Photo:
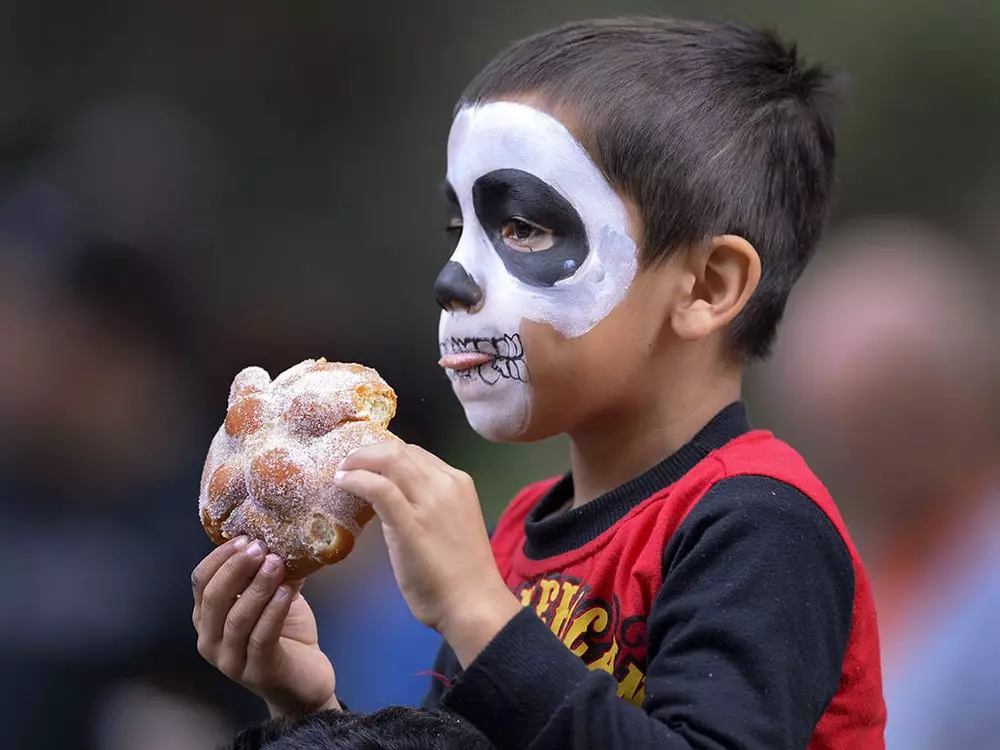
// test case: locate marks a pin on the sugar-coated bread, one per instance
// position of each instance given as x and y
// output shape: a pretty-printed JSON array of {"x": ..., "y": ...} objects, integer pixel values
[{"x": 269, "y": 471}]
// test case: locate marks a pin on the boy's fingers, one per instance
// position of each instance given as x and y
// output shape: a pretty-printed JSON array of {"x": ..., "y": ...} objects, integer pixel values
[
  {"x": 372, "y": 457},
  {"x": 245, "y": 613},
  {"x": 223, "y": 590},
  {"x": 392, "y": 459},
  {"x": 385, "y": 497},
  {"x": 430, "y": 459},
  {"x": 264, "y": 637},
  {"x": 247, "y": 609},
  {"x": 208, "y": 567}
]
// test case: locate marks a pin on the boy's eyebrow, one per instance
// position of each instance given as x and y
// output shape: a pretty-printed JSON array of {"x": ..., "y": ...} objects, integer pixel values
[{"x": 449, "y": 192}]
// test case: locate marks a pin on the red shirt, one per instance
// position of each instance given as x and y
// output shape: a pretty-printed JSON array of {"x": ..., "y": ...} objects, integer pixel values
[{"x": 720, "y": 593}]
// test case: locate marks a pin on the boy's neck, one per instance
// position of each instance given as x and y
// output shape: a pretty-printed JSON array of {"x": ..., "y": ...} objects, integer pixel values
[{"x": 610, "y": 451}]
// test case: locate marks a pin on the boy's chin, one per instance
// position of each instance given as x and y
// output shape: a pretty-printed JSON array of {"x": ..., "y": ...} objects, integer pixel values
[
  {"x": 500, "y": 427},
  {"x": 495, "y": 423},
  {"x": 501, "y": 420},
  {"x": 502, "y": 412}
]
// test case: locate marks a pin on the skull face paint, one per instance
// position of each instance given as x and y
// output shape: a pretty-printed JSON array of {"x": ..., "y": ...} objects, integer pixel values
[{"x": 543, "y": 237}]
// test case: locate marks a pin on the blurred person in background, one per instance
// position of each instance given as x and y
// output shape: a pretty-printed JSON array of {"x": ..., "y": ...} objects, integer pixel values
[
  {"x": 102, "y": 429},
  {"x": 99, "y": 428},
  {"x": 887, "y": 371}
]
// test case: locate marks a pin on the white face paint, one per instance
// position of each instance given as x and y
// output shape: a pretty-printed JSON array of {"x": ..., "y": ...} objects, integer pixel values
[{"x": 571, "y": 286}]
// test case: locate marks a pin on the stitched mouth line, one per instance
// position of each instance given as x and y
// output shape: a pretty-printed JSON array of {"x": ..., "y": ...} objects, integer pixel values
[{"x": 507, "y": 352}]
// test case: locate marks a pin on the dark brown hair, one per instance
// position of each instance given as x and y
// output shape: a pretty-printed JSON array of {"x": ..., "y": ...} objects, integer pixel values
[
  {"x": 710, "y": 128},
  {"x": 392, "y": 728}
]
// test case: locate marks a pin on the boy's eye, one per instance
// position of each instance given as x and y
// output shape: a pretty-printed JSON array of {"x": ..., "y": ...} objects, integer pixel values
[
  {"x": 535, "y": 231},
  {"x": 454, "y": 230},
  {"x": 525, "y": 236}
]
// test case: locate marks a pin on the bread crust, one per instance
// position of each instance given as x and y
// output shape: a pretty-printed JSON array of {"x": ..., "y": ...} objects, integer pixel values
[{"x": 270, "y": 467}]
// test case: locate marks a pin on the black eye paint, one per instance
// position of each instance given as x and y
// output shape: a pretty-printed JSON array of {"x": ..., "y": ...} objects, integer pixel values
[
  {"x": 453, "y": 213},
  {"x": 505, "y": 193}
]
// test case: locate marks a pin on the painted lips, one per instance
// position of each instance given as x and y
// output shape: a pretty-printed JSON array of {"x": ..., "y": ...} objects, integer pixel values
[
  {"x": 491, "y": 359},
  {"x": 465, "y": 360}
]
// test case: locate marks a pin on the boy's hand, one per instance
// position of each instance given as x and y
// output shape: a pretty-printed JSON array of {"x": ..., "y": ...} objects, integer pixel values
[
  {"x": 437, "y": 541},
  {"x": 259, "y": 631}
]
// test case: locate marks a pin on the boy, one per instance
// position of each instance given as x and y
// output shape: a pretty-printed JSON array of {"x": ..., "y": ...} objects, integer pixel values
[{"x": 633, "y": 201}]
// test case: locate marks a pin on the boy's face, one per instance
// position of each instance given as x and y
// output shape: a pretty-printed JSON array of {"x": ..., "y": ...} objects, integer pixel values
[{"x": 543, "y": 256}]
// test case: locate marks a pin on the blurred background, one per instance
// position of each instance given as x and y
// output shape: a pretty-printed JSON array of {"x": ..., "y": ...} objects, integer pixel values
[{"x": 187, "y": 188}]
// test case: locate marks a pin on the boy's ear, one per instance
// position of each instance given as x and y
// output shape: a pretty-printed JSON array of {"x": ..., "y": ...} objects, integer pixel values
[{"x": 718, "y": 278}]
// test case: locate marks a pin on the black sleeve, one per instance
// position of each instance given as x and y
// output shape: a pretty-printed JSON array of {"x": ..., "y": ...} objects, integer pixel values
[
  {"x": 746, "y": 640},
  {"x": 446, "y": 669}
]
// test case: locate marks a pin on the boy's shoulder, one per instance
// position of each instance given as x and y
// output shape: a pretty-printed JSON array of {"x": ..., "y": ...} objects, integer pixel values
[{"x": 759, "y": 454}]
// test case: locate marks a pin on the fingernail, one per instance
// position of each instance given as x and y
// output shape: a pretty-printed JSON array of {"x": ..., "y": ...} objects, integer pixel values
[
  {"x": 339, "y": 475},
  {"x": 271, "y": 564},
  {"x": 281, "y": 593},
  {"x": 240, "y": 542},
  {"x": 256, "y": 550}
]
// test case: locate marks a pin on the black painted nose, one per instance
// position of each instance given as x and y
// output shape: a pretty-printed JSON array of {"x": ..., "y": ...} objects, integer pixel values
[{"x": 455, "y": 288}]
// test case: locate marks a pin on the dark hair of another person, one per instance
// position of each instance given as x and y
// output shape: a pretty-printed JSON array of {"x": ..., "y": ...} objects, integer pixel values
[
  {"x": 395, "y": 728},
  {"x": 711, "y": 128}
]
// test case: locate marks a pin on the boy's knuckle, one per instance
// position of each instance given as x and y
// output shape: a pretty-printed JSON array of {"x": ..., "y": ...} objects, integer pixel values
[
  {"x": 205, "y": 650},
  {"x": 229, "y": 667},
  {"x": 462, "y": 481},
  {"x": 249, "y": 677},
  {"x": 209, "y": 599},
  {"x": 257, "y": 644},
  {"x": 234, "y": 622}
]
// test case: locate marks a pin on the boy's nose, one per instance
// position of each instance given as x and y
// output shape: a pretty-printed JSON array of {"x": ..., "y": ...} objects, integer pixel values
[{"x": 456, "y": 289}]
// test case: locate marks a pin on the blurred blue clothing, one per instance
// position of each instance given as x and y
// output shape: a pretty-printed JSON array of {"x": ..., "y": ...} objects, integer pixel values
[
  {"x": 948, "y": 694},
  {"x": 380, "y": 650},
  {"x": 99, "y": 594}
]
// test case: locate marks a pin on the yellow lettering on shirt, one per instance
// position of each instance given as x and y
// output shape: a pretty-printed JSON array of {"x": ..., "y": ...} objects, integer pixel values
[{"x": 583, "y": 624}]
